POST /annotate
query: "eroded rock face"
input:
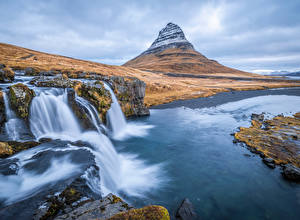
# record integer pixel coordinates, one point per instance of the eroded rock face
(130, 93)
(11, 147)
(169, 37)
(145, 213)
(6, 74)
(20, 98)
(291, 172)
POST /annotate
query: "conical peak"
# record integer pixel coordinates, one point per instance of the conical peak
(171, 36)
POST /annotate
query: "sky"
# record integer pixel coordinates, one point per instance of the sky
(251, 35)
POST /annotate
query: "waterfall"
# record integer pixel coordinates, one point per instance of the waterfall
(50, 116)
(13, 125)
(92, 113)
(116, 118)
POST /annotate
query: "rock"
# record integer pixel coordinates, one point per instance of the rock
(169, 37)
(148, 212)
(20, 98)
(79, 110)
(29, 71)
(2, 110)
(58, 81)
(269, 162)
(291, 172)
(98, 209)
(186, 211)
(97, 95)
(11, 147)
(258, 117)
(130, 93)
(6, 74)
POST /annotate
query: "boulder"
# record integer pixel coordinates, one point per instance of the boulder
(29, 71)
(186, 211)
(6, 74)
(291, 172)
(130, 92)
(269, 162)
(11, 147)
(57, 81)
(148, 212)
(258, 117)
(97, 95)
(20, 98)
(98, 209)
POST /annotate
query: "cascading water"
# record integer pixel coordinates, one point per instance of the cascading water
(117, 122)
(13, 125)
(50, 116)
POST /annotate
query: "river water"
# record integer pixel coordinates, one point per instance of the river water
(173, 154)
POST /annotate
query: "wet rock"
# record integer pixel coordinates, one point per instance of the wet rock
(11, 147)
(130, 93)
(149, 212)
(269, 162)
(98, 209)
(97, 95)
(258, 117)
(291, 172)
(2, 110)
(277, 141)
(79, 111)
(6, 74)
(57, 81)
(186, 211)
(20, 98)
(29, 71)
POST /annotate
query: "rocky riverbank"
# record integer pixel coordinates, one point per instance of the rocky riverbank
(276, 140)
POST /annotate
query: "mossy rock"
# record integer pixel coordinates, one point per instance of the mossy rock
(2, 110)
(6, 74)
(11, 147)
(149, 212)
(20, 98)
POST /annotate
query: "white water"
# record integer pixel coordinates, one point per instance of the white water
(50, 116)
(120, 128)
(13, 125)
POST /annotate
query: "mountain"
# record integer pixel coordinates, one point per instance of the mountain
(172, 52)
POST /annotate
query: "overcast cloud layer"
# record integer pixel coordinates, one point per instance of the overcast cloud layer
(246, 34)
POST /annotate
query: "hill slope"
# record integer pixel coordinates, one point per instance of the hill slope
(172, 52)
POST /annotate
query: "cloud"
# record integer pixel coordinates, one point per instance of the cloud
(246, 34)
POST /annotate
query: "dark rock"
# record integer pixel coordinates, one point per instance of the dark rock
(29, 71)
(186, 211)
(291, 172)
(98, 209)
(2, 66)
(258, 117)
(169, 37)
(6, 75)
(11, 147)
(269, 162)
(20, 98)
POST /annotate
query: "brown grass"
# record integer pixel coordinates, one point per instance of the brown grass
(160, 87)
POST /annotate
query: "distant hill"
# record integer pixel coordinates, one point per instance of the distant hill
(172, 52)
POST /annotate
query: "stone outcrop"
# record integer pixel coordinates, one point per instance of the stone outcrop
(58, 81)
(6, 74)
(2, 109)
(148, 212)
(170, 36)
(97, 95)
(186, 211)
(20, 98)
(276, 140)
(11, 147)
(130, 93)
